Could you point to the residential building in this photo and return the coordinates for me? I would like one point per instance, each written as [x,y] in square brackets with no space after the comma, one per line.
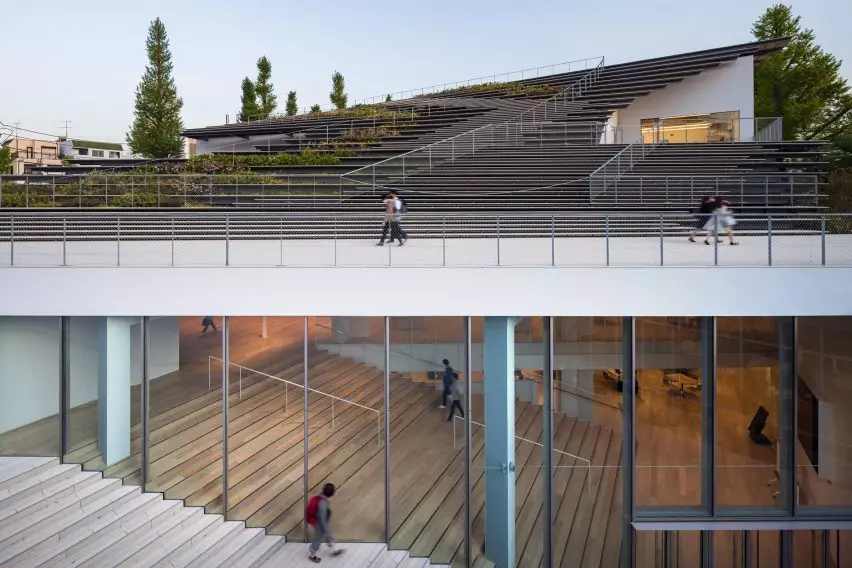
[32,152]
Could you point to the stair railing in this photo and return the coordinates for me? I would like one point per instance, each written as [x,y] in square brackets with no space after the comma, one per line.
[527,440]
[509,132]
[520,75]
[610,171]
[287,385]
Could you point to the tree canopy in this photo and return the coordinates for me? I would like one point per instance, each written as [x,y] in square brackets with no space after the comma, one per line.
[338,95]
[155,132]
[248,102]
[800,83]
[292,106]
[267,102]
[7,158]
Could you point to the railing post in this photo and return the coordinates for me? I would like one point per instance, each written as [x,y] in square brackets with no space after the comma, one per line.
[173,241]
[715,240]
[769,240]
[65,238]
[444,241]
[606,237]
[118,241]
[498,240]
[227,240]
[822,239]
[553,240]
[332,414]
[661,240]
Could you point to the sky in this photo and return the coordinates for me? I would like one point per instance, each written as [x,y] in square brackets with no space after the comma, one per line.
[81,61]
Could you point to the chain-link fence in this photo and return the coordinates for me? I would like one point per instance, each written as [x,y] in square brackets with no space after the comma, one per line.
[457,240]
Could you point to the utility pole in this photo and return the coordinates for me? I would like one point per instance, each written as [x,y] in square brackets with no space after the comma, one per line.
[17,125]
[67,123]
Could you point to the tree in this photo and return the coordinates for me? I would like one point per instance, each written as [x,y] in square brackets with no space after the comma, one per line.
[315,109]
[800,83]
[248,102]
[266,99]
[338,96]
[7,159]
[388,99]
[155,132]
[292,107]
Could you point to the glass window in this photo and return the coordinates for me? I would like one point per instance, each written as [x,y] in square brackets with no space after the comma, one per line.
[185,409]
[266,480]
[29,386]
[587,431]
[824,411]
[97,153]
[669,415]
[427,481]
[748,412]
[82,151]
[346,443]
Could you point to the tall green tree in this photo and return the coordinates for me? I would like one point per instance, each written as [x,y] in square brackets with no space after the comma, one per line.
[338,95]
[315,109]
[248,102]
[292,106]
[155,132]
[7,158]
[267,102]
[800,83]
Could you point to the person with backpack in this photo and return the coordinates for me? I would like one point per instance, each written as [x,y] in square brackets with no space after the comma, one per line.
[448,382]
[318,515]
[400,208]
[456,396]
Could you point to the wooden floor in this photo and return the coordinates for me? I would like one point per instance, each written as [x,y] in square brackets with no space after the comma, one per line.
[56,515]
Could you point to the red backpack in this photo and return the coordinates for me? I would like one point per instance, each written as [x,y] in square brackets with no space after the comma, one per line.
[312,509]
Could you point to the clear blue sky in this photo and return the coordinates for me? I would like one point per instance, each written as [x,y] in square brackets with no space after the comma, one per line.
[81,61]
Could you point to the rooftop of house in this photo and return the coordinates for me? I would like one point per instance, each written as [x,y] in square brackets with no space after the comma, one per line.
[95,145]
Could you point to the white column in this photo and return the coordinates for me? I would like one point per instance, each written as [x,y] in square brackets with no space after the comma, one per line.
[263,332]
[114,389]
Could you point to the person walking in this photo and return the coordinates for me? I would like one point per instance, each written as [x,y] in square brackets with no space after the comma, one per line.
[388,221]
[318,515]
[702,214]
[400,208]
[208,322]
[448,381]
[726,221]
[456,396]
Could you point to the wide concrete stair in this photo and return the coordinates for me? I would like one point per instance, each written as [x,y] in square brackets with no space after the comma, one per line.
[57,515]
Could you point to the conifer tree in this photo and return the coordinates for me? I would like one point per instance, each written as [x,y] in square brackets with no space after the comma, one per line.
[155,132]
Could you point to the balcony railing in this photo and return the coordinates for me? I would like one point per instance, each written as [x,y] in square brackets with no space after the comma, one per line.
[452,240]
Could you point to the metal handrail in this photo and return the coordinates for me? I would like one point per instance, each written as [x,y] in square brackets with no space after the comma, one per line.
[522,439]
[600,174]
[816,237]
[577,85]
[286,390]
[479,80]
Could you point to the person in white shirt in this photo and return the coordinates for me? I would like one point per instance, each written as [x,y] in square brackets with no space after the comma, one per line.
[397,229]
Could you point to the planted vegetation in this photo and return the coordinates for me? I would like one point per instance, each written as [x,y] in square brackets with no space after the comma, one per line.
[512,89]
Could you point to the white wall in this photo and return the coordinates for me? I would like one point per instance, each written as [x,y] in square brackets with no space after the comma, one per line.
[728,87]
[429,291]
[30,361]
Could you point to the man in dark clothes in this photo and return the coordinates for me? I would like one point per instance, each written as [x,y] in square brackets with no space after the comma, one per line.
[702,214]
[448,382]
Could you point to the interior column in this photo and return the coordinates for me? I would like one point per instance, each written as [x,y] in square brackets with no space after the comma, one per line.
[114,389]
[499,359]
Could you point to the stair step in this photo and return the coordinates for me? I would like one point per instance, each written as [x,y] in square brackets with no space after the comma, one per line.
[199,544]
[12,467]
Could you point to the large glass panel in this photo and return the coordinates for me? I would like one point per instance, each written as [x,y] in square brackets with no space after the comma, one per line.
[29,386]
[668,412]
[427,482]
[185,409]
[266,423]
[587,425]
[346,446]
[477,425]
[104,390]
[747,412]
[824,411]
